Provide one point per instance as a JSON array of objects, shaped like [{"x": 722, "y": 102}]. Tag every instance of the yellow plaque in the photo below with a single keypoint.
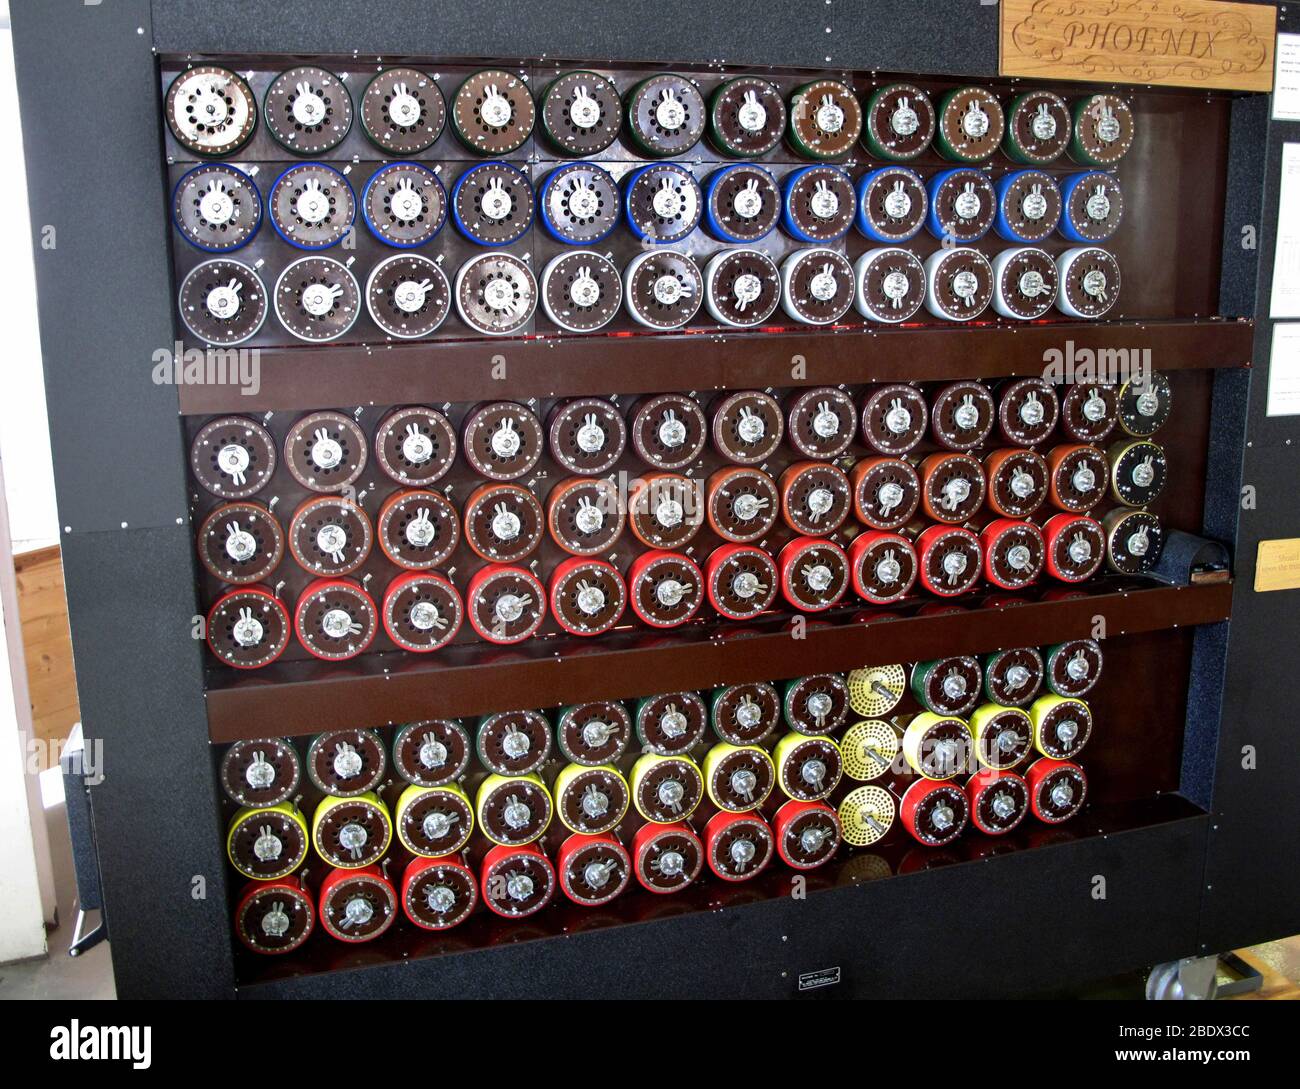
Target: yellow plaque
[
  {"x": 1277, "y": 565},
  {"x": 1179, "y": 43}
]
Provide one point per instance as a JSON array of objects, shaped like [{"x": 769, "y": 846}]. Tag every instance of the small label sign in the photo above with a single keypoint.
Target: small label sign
[
  {"x": 810, "y": 981},
  {"x": 1180, "y": 43},
  {"x": 1277, "y": 565}
]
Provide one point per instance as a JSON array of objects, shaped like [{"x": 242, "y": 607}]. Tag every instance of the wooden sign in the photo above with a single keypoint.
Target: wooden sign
[{"x": 1179, "y": 43}]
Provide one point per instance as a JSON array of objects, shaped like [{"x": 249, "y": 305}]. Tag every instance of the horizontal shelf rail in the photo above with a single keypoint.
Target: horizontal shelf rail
[
  {"x": 303, "y": 378},
  {"x": 297, "y": 698}
]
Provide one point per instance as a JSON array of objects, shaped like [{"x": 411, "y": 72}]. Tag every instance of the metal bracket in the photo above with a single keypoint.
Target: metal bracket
[
  {"x": 82, "y": 942},
  {"x": 1196, "y": 979}
]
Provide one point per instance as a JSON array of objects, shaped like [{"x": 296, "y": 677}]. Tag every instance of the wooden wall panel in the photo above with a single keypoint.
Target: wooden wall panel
[{"x": 43, "y": 611}]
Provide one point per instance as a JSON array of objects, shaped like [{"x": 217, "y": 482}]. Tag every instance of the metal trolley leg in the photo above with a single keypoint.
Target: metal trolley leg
[{"x": 1195, "y": 979}]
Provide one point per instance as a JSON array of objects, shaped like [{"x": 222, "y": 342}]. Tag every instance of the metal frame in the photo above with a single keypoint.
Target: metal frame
[{"x": 105, "y": 307}]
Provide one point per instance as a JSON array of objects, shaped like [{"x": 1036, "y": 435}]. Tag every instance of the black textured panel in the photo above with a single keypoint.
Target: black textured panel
[
  {"x": 104, "y": 290},
  {"x": 81, "y": 826},
  {"x": 1204, "y": 713},
  {"x": 1242, "y": 205},
  {"x": 1265, "y": 432},
  {"x": 1248, "y": 896},
  {"x": 1228, "y": 402},
  {"x": 921, "y": 36},
  {"x": 139, "y": 678}
]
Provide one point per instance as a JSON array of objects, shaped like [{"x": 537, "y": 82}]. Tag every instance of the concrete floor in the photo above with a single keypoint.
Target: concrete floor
[{"x": 57, "y": 975}]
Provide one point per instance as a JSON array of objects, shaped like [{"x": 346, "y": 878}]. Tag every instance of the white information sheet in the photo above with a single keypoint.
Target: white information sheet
[
  {"x": 1285, "y": 302},
  {"x": 1284, "y": 371},
  {"x": 1286, "y": 79}
]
